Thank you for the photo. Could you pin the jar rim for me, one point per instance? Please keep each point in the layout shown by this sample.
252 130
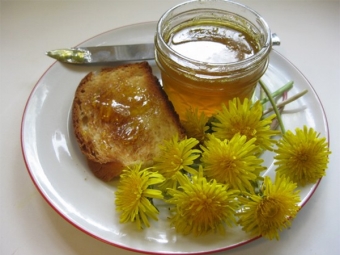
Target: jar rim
265 48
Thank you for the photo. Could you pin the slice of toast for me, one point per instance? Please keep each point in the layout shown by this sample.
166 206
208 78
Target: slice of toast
120 116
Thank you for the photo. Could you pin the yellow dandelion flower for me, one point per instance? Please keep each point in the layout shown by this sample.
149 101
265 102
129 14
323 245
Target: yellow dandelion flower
232 162
272 211
195 125
202 206
302 156
134 194
245 119
176 156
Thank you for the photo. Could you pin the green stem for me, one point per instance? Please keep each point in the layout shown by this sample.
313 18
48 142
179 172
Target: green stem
283 103
278 92
262 96
276 110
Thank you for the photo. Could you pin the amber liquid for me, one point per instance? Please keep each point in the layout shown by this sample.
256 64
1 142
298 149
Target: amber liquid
208 43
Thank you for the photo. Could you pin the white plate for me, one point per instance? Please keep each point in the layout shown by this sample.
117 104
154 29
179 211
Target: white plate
59 171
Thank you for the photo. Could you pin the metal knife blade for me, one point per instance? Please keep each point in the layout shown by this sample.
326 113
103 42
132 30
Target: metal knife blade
104 54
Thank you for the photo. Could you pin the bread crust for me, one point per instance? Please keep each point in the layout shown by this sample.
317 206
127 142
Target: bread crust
120 116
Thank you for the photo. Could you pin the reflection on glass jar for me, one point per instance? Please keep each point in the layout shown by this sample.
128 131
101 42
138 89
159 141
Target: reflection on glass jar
210 52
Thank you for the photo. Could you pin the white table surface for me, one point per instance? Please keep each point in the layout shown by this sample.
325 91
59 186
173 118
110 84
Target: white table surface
310 35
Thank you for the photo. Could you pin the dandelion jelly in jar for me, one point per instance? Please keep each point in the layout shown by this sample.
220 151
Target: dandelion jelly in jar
210 52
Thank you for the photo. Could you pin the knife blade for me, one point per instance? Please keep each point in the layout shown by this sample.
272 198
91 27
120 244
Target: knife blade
104 54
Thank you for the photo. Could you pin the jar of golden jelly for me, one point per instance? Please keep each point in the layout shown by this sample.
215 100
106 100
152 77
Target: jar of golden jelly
210 51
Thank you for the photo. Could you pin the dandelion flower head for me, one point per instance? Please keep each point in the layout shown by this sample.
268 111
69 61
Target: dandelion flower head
303 156
134 193
233 162
176 156
268 213
246 119
202 206
195 125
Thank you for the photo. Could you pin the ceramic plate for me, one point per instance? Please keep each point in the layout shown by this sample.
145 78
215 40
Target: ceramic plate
60 173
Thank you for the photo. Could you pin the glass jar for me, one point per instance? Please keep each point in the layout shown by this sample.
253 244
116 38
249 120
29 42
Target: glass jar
209 52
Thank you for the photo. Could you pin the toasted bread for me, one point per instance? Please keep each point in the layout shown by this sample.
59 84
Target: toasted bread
120 116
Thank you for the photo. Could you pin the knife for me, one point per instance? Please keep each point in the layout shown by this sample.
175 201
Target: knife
104 54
